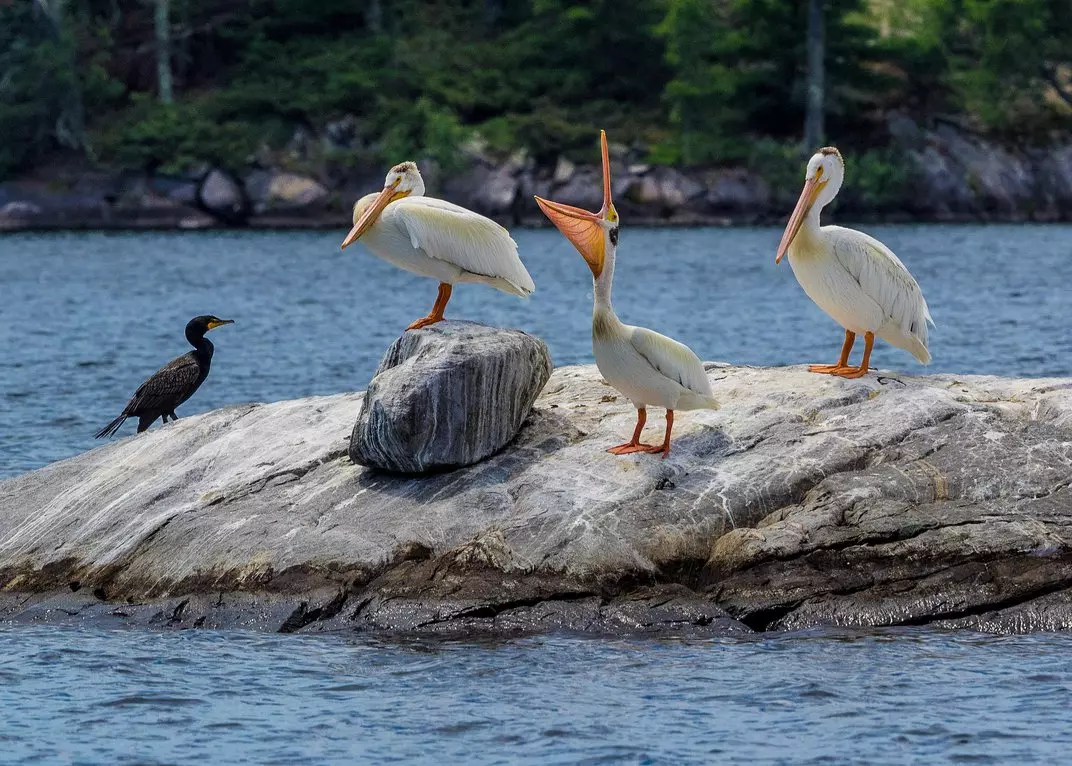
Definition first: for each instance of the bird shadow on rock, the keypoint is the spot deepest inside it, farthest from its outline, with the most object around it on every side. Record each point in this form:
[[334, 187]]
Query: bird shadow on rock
[[707, 442], [543, 433]]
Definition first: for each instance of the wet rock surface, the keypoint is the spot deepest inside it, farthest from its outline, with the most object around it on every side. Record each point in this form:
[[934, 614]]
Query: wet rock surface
[[447, 396], [804, 501]]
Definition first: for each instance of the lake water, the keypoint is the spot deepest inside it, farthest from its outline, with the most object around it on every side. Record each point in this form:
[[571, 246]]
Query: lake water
[[199, 697], [84, 696], [84, 318]]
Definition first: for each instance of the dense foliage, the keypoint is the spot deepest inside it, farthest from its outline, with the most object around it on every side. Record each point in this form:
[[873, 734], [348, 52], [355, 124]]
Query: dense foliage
[[684, 81]]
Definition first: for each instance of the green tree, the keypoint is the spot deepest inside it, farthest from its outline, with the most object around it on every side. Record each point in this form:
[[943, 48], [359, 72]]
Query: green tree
[[1012, 59], [36, 86], [695, 81], [739, 68]]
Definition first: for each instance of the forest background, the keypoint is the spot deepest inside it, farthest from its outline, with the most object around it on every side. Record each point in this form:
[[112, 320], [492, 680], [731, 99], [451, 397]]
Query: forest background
[[163, 86]]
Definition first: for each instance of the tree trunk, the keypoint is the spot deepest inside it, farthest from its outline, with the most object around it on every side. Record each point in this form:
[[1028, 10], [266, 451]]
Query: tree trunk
[[374, 16], [813, 116], [70, 127], [162, 23], [493, 10]]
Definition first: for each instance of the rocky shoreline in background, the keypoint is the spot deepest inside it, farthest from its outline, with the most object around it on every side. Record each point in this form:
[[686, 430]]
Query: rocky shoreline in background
[[958, 177]]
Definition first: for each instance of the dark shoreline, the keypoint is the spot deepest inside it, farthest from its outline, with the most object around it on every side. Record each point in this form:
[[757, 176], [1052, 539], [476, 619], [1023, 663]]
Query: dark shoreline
[[938, 175], [721, 222]]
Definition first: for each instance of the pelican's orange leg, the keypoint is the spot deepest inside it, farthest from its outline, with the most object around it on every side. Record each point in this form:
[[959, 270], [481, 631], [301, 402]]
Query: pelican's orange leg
[[842, 363], [665, 446], [859, 372], [634, 445], [436, 315]]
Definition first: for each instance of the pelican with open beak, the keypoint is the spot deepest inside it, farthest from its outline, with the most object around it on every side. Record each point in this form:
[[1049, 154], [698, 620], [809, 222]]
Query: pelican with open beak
[[436, 239], [851, 276], [644, 366]]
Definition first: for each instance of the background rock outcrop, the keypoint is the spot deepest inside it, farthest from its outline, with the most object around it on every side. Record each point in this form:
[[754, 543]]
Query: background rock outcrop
[[222, 195], [805, 500], [936, 172], [447, 396]]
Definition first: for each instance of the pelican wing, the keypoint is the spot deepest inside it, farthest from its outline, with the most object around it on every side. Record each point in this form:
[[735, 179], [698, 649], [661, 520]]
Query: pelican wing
[[671, 359], [471, 242], [885, 279]]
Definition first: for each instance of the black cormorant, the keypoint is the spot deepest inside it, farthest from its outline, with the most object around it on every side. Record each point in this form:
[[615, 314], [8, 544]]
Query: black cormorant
[[173, 384]]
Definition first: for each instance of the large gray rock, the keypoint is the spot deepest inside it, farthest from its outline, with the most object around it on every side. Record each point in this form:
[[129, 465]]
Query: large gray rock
[[489, 190], [805, 500], [17, 214], [447, 396], [221, 195], [661, 191], [290, 192]]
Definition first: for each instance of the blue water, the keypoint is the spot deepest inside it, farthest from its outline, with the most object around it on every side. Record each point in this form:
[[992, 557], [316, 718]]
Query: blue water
[[84, 318], [77, 696]]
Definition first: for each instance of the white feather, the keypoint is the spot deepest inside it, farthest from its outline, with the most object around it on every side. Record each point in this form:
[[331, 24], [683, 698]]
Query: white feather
[[863, 286], [672, 359], [649, 368], [480, 249], [851, 276]]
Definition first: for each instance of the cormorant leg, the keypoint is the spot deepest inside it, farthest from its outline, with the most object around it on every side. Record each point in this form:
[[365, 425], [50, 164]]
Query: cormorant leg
[[634, 445], [172, 415], [436, 315], [859, 372], [144, 421], [665, 446], [842, 363]]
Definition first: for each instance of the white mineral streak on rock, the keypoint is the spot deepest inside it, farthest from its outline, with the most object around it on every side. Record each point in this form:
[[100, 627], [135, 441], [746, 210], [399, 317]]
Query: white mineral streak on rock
[[448, 396]]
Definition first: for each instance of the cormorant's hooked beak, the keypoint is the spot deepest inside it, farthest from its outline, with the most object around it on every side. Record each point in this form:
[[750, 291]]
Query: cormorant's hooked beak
[[219, 323], [812, 187], [587, 231], [387, 196]]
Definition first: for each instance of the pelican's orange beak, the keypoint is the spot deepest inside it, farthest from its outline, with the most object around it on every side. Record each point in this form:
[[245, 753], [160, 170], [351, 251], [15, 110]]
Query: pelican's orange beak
[[811, 190], [580, 227], [387, 196], [585, 230]]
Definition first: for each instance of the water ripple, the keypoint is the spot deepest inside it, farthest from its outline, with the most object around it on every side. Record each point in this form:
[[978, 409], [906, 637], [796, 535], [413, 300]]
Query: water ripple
[[195, 697], [304, 324]]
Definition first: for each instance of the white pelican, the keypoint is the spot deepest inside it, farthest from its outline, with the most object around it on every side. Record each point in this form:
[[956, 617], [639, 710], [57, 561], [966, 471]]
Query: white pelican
[[646, 367], [854, 278], [437, 239]]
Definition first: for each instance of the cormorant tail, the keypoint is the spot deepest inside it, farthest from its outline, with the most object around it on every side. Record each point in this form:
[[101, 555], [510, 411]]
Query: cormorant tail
[[111, 428]]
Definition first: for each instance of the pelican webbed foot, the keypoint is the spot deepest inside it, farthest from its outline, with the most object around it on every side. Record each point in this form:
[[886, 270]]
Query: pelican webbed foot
[[829, 369], [634, 445], [842, 364], [851, 372], [436, 314], [843, 369], [630, 447], [424, 322]]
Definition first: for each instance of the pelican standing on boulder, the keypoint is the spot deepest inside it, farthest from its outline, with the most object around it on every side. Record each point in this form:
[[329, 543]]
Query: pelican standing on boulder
[[854, 278], [646, 367], [437, 239]]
